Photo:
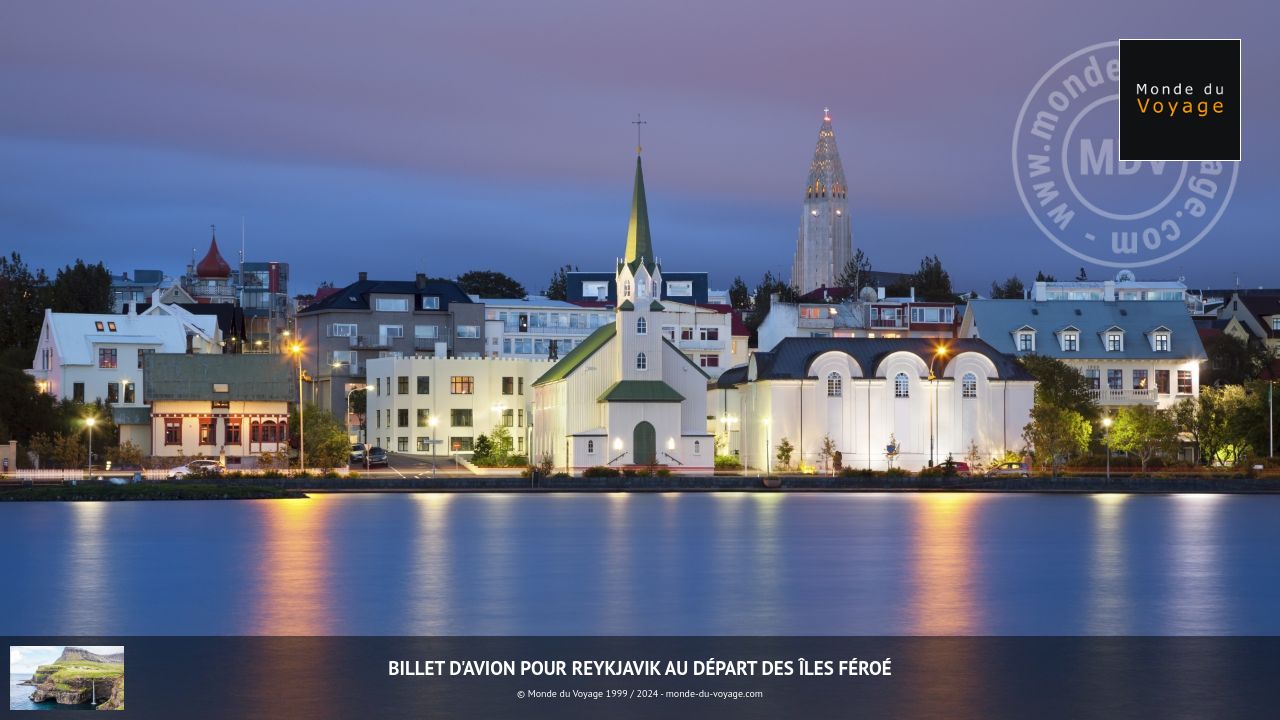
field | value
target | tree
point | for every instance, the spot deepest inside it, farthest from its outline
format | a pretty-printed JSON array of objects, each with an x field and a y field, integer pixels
[
  {"x": 490, "y": 284},
  {"x": 558, "y": 287},
  {"x": 481, "y": 450},
  {"x": 60, "y": 450},
  {"x": 739, "y": 295},
  {"x": 1217, "y": 422},
  {"x": 857, "y": 272},
  {"x": 785, "y": 448},
  {"x": 22, "y": 303},
  {"x": 501, "y": 445},
  {"x": 1042, "y": 277},
  {"x": 769, "y": 285},
  {"x": 828, "y": 452},
  {"x": 1011, "y": 289},
  {"x": 81, "y": 288},
  {"x": 1060, "y": 385},
  {"x": 931, "y": 281},
  {"x": 1055, "y": 434},
  {"x": 24, "y": 410},
  {"x": 328, "y": 445},
  {"x": 1144, "y": 431},
  {"x": 1233, "y": 360}
]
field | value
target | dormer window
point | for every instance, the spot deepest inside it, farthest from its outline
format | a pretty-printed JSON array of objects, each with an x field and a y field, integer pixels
[
  {"x": 98, "y": 326},
  {"x": 430, "y": 302},
  {"x": 1161, "y": 342},
  {"x": 1069, "y": 339},
  {"x": 1115, "y": 340},
  {"x": 1025, "y": 339}
]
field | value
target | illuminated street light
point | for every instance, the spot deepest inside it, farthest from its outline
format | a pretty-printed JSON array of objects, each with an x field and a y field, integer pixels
[
  {"x": 296, "y": 349},
  {"x": 938, "y": 352}
]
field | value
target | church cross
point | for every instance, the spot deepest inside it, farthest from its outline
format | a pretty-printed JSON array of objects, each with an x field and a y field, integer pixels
[{"x": 638, "y": 122}]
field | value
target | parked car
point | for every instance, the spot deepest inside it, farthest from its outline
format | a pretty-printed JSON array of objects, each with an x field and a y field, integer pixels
[
  {"x": 197, "y": 468},
  {"x": 1010, "y": 469},
  {"x": 962, "y": 469},
  {"x": 377, "y": 457},
  {"x": 357, "y": 455}
]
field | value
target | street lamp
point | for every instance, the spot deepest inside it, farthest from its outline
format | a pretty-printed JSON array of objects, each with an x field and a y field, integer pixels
[
  {"x": 89, "y": 422},
  {"x": 938, "y": 352},
  {"x": 1106, "y": 426},
  {"x": 296, "y": 349},
  {"x": 432, "y": 422}
]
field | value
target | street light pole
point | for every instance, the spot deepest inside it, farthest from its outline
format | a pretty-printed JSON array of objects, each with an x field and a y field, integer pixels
[
  {"x": 296, "y": 349},
  {"x": 89, "y": 422},
  {"x": 940, "y": 351},
  {"x": 1106, "y": 424}
]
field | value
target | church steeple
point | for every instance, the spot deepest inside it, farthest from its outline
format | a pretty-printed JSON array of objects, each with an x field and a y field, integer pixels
[
  {"x": 824, "y": 245},
  {"x": 639, "y": 243}
]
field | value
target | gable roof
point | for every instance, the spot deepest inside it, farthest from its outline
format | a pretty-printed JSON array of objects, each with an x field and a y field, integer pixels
[
  {"x": 578, "y": 355},
  {"x": 356, "y": 295},
  {"x": 75, "y": 334},
  {"x": 791, "y": 357},
  {"x": 996, "y": 320}
]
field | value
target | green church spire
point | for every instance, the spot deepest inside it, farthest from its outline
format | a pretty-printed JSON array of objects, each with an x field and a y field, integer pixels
[{"x": 639, "y": 243}]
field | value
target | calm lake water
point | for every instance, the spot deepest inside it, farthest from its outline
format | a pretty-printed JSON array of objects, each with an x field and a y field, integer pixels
[{"x": 660, "y": 564}]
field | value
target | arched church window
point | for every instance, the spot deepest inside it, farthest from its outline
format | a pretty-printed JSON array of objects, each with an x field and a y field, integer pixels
[
  {"x": 642, "y": 362},
  {"x": 969, "y": 386},
  {"x": 901, "y": 386},
  {"x": 697, "y": 447},
  {"x": 591, "y": 447},
  {"x": 835, "y": 385},
  {"x": 626, "y": 289},
  {"x": 642, "y": 326}
]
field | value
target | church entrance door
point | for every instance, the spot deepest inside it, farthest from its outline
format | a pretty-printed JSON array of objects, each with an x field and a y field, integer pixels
[{"x": 645, "y": 443}]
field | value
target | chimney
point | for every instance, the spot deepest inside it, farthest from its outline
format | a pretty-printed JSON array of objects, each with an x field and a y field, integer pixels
[
  {"x": 363, "y": 276},
  {"x": 420, "y": 280},
  {"x": 880, "y": 293}
]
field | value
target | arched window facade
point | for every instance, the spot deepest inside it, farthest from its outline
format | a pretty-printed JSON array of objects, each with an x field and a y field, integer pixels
[
  {"x": 901, "y": 386},
  {"x": 255, "y": 432},
  {"x": 591, "y": 447},
  {"x": 697, "y": 447},
  {"x": 642, "y": 326},
  {"x": 642, "y": 362},
  {"x": 269, "y": 431},
  {"x": 969, "y": 386},
  {"x": 626, "y": 289},
  {"x": 835, "y": 385}
]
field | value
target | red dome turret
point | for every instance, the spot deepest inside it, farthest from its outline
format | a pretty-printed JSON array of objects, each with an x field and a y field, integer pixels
[{"x": 213, "y": 266}]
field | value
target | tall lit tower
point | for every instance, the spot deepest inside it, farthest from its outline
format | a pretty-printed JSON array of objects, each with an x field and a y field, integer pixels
[{"x": 824, "y": 244}]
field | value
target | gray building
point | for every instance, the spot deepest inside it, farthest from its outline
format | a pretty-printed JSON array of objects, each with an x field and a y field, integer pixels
[{"x": 384, "y": 318}]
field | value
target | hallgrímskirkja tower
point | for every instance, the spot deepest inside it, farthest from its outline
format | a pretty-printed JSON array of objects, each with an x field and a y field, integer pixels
[{"x": 824, "y": 244}]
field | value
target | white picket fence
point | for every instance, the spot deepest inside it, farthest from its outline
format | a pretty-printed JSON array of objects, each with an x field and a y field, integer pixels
[{"x": 49, "y": 477}]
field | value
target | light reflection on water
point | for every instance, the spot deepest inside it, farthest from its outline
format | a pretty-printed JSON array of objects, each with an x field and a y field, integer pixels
[{"x": 655, "y": 564}]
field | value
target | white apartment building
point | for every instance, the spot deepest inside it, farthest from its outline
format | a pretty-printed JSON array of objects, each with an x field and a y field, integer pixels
[
  {"x": 528, "y": 327},
  {"x": 467, "y": 397}
]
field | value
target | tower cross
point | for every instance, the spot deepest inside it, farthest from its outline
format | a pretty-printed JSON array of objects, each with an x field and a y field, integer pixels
[{"x": 638, "y": 122}]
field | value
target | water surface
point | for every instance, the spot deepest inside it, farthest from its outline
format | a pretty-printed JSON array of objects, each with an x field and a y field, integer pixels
[{"x": 646, "y": 564}]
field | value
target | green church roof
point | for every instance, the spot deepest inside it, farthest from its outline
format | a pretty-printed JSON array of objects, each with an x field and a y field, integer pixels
[
  {"x": 639, "y": 242},
  {"x": 656, "y": 306},
  {"x": 575, "y": 357},
  {"x": 640, "y": 391}
]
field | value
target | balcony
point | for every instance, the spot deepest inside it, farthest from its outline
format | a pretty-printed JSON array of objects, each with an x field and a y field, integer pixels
[
  {"x": 1124, "y": 396},
  {"x": 422, "y": 344},
  {"x": 371, "y": 342},
  {"x": 700, "y": 344},
  {"x": 889, "y": 323}
]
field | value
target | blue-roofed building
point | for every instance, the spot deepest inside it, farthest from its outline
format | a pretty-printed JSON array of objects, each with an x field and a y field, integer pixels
[
  {"x": 1131, "y": 351},
  {"x": 904, "y": 402}
]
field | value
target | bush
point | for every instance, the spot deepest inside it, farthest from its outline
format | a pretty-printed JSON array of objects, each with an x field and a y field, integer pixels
[
  {"x": 663, "y": 472},
  {"x": 728, "y": 462},
  {"x": 600, "y": 471}
]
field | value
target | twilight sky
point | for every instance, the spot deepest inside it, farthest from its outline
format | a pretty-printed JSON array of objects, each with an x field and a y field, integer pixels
[{"x": 397, "y": 137}]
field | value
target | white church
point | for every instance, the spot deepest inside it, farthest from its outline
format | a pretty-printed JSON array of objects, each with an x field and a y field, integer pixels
[{"x": 626, "y": 396}]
